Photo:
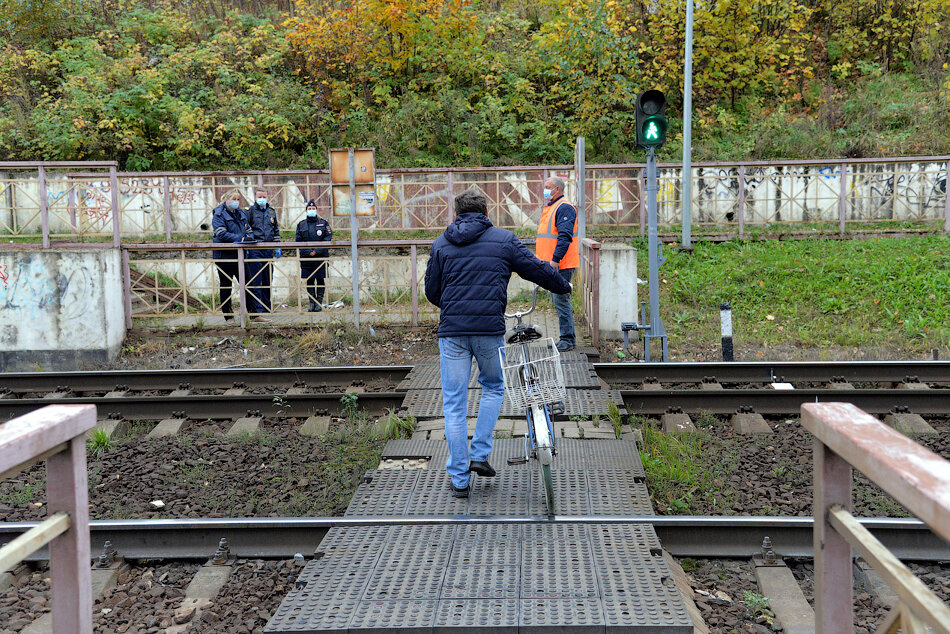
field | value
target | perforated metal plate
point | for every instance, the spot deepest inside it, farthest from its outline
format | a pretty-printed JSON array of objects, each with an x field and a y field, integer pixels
[
  {"x": 369, "y": 502},
  {"x": 561, "y": 615},
  {"x": 473, "y": 616},
  {"x": 481, "y": 582},
  {"x": 577, "y": 374},
  {"x": 532, "y": 578},
  {"x": 304, "y": 611},
  {"x": 378, "y": 617},
  {"x": 428, "y": 403},
  {"x": 663, "y": 612}
]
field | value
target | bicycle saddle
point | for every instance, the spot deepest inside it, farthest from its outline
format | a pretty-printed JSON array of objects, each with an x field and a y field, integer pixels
[{"x": 523, "y": 332}]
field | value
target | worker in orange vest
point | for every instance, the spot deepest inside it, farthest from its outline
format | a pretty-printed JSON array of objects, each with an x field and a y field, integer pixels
[{"x": 557, "y": 243}]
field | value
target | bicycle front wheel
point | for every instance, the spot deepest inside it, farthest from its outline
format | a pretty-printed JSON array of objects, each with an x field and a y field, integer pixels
[{"x": 548, "y": 482}]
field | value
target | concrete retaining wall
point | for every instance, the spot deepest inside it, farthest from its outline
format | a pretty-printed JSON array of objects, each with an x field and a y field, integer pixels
[{"x": 60, "y": 310}]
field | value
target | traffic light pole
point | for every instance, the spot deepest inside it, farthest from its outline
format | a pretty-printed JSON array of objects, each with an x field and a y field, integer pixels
[{"x": 655, "y": 255}]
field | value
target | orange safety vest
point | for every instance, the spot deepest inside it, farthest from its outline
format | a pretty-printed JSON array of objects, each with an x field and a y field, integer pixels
[{"x": 547, "y": 238}]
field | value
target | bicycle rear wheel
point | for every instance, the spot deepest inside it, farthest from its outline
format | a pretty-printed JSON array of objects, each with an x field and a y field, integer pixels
[
  {"x": 539, "y": 419},
  {"x": 548, "y": 482}
]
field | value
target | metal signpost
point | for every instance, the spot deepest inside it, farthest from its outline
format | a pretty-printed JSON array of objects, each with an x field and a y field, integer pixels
[
  {"x": 651, "y": 127},
  {"x": 352, "y": 179}
]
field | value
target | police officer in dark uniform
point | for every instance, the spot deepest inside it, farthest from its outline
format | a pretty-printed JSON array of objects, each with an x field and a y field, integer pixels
[
  {"x": 263, "y": 219},
  {"x": 313, "y": 262},
  {"x": 230, "y": 225}
]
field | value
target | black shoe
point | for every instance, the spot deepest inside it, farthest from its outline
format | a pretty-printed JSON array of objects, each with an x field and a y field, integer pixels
[
  {"x": 313, "y": 306},
  {"x": 460, "y": 493},
  {"x": 229, "y": 319},
  {"x": 564, "y": 346},
  {"x": 482, "y": 468},
  {"x": 317, "y": 308}
]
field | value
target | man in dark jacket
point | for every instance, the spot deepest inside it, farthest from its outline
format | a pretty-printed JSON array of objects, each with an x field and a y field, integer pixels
[
  {"x": 467, "y": 278},
  {"x": 230, "y": 225},
  {"x": 263, "y": 219}
]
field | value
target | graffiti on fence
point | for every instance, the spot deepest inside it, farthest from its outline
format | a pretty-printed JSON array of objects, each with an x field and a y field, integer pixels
[{"x": 4, "y": 274}]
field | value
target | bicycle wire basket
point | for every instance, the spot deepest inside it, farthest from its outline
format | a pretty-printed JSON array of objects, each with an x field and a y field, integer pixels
[{"x": 532, "y": 373}]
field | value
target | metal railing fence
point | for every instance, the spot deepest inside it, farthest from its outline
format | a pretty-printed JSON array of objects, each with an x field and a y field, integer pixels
[
  {"x": 917, "y": 478},
  {"x": 75, "y": 201},
  {"x": 56, "y": 434},
  {"x": 181, "y": 282}
]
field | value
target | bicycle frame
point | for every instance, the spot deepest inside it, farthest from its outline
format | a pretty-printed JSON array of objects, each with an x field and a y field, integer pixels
[{"x": 540, "y": 440}]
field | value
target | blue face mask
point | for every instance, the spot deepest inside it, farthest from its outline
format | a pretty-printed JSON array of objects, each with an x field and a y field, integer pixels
[
  {"x": 311, "y": 213},
  {"x": 233, "y": 204},
  {"x": 547, "y": 194},
  {"x": 261, "y": 202}
]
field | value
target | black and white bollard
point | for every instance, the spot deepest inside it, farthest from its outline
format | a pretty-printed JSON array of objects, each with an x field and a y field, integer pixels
[{"x": 725, "y": 320}]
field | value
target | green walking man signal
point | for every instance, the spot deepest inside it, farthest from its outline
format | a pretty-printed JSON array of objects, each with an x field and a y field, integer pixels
[{"x": 651, "y": 119}]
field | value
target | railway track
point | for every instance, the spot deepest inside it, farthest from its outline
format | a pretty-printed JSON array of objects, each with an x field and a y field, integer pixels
[
  {"x": 303, "y": 391},
  {"x": 621, "y": 374},
  {"x": 682, "y": 536}
]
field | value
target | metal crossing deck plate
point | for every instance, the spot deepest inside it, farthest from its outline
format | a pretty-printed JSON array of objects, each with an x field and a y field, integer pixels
[
  {"x": 428, "y": 403},
  {"x": 497, "y": 578},
  {"x": 577, "y": 374}
]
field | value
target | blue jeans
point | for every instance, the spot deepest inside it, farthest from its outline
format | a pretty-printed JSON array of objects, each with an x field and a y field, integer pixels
[
  {"x": 565, "y": 314},
  {"x": 455, "y": 359}
]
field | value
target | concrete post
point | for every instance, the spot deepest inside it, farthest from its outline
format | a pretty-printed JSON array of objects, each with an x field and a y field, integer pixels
[
  {"x": 843, "y": 198},
  {"x": 167, "y": 204},
  {"x": 742, "y": 201},
  {"x": 414, "y": 285}
]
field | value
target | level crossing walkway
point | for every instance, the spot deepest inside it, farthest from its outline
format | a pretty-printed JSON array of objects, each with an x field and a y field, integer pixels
[{"x": 498, "y": 578}]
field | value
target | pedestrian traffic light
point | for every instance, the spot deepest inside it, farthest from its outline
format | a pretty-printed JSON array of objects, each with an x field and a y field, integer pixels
[{"x": 651, "y": 119}]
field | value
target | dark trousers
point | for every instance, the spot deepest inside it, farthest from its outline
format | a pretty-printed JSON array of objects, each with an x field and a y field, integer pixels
[
  {"x": 258, "y": 281},
  {"x": 316, "y": 280},
  {"x": 565, "y": 314},
  {"x": 226, "y": 270}
]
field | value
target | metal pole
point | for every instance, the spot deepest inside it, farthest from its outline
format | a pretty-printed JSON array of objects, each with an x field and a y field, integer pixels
[
  {"x": 641, "y": 205},
  {"x": 654, "y": 251},
  {"x": 742, "y": 201},
  {"x": 415, "y": 284},
  {"x": 354, "y": 229},
  {"x": 242, "y": 291},
  {"x": 114, "y": 186},
  {"x": 843, "y": 198},
  {"x": 167, "y": 204},
  {"x": 946, "y": 203},
  {"x": 127, "y": 288},
  {"x": 580, "y": 174},
  {"x": 688, "y": 128},
  {"x": 451, "y": 198},
  {"x": 44, "y": 207}
]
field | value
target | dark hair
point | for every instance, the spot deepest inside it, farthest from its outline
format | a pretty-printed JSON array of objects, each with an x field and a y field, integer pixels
[
  {"x": 472, "y": 200},
  {"x": 310, "y": 203}
]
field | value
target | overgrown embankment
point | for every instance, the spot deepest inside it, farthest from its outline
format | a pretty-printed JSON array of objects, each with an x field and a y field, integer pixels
[{"x": 208, "y": 84}]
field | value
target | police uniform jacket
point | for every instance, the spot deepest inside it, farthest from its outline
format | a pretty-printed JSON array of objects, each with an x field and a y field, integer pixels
[
  {"x": 313, "y": 230},
  {"x": 229, "y": 227}
]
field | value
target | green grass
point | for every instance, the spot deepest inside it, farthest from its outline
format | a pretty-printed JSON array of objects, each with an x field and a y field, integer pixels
[
  {"x": 877, "y": 293},
  {"x": 394, "y": 426},
  {"x": 99, "y": 442},
  {"x": 676, "y": 477}
]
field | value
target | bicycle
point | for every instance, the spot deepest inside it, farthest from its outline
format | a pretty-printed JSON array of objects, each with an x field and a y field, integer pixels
[{"x": 534, "y": 380}]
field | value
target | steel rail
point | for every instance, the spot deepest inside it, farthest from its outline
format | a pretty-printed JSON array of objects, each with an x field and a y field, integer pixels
[
  {"x": 771, "y": 371},
  {"x": 218, "y": 407},
  {"x": 682, "y": 536},
  {"x": 22, "y": 382},
  {"x": 770, "y": 401}
]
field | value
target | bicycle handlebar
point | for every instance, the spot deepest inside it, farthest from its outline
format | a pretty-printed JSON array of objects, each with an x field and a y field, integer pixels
[{"x": 534, "y": 302}]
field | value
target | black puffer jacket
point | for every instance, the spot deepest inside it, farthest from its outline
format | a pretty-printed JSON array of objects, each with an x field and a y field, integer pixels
[
  {"x": 313, "y": 230},
  {"x": 468, "y": 272}
]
